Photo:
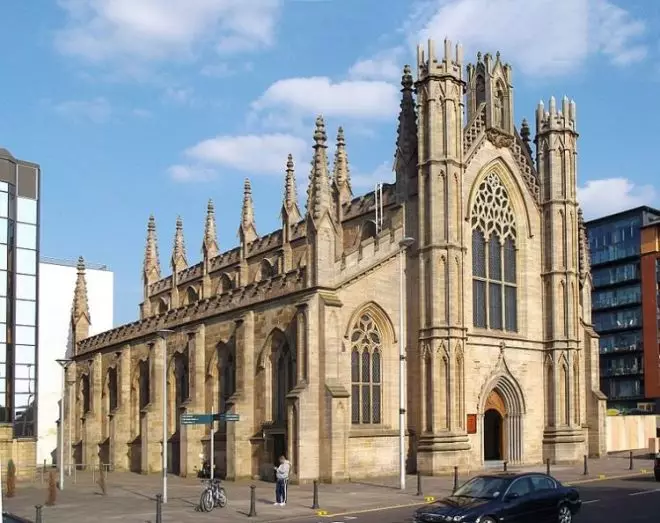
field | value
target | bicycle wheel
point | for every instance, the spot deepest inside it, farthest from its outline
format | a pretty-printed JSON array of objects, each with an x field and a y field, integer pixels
[
  {"x": 206, "y": 501},
  {"x": 222, "y": 498}
]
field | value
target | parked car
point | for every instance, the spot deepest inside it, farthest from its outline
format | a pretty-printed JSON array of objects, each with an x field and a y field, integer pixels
[
  {"x": 524, "y": 498},
  {"x": 656, "y": 467}
]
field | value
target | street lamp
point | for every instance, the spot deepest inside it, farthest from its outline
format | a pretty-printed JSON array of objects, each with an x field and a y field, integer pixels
[
  {"x": 64, "y": 363},
  {"x": 163, "y": 334},
  {"x": 404, "y": 245}
]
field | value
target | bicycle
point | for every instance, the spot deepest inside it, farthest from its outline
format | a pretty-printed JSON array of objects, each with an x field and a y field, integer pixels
[{"x": 212, "y": 496}]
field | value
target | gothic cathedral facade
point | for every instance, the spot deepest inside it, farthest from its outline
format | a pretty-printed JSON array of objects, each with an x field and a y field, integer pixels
[{"x": 298, "y": 331}]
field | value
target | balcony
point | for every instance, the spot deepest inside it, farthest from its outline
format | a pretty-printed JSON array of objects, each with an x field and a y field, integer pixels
[
  {"x": 617, "y": 349},
  {"x": 621, "y": 371}
]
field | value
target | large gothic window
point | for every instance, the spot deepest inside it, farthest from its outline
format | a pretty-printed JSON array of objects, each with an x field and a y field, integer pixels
[
  {"x": 145, "y": 386},
  {"x": 285, "y": 380},
  {"x": 228, "y": 382},
  {"x": 366, "y": 367},
  {"x": 494, "y": 292},
  {"x": 86, "y": 395},
  {"x": 112, "y": 389}
]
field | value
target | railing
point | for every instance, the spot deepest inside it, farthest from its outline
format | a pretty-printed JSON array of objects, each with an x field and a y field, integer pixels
[{"x": 621, "y": 371}]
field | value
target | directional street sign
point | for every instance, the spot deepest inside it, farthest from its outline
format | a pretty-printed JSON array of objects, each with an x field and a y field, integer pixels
[{"x": 207, "y": 418}]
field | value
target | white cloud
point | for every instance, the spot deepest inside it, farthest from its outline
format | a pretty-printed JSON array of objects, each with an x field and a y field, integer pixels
[
  {"x": 97, "y": 110},
  {"x": 319, "y": 95},
  {"x": 148, "y": 30},
  {"x": 179, "y": 95},
  {"x": 258, "y": 154},
  {"x": 367, "y": 181},
  {"x": 191, "y": 173},
  {"x": 602, "y": 197},
  {"x": 385, "y": 65},
  {"x": 542, "y": 38}
]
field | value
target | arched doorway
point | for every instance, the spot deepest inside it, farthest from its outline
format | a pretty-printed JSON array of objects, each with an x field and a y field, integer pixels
[
  {"x": 493, "y": 435},
  {"x": 493, "y": 427}
]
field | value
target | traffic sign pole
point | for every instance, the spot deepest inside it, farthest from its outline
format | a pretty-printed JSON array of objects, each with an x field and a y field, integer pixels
[{"x": 212, "y": 449}]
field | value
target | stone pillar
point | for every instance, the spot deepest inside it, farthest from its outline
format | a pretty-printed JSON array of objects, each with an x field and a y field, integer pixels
[
  {"x": 239, "y": 446},
  {"x": 120, "y": 424},
  {"x": 93, "y": 434},
  {"x": 192, "y": 435},
  {"x": 152, "y": 448}
]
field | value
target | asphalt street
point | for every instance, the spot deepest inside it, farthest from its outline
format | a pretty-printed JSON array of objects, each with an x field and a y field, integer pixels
[{"x": 629, "y": 500}]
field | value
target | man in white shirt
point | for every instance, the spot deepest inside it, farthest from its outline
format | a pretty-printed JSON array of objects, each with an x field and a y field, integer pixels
[{"x": 282, "y": 480}]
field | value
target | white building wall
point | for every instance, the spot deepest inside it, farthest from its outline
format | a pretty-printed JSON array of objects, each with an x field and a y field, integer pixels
[{"x": 57, "y": 281}]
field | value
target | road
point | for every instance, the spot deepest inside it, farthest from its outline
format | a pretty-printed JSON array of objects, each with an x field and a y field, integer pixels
[{"x": 629, "y": 500}]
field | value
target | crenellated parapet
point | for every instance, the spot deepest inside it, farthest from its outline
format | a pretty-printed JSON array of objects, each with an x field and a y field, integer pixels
[{"x": 232, "y": 300}]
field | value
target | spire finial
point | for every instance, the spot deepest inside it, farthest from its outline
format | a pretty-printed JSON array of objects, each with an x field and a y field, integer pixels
[
  {"x": 80, "y": 318},
  {"x": 342, "y": 174},
  {"x": 151, "y": 258},
  {"x": 179, "y": 261},
  {"x": 290, "y": 208},
  {"x": 210, "y": 244},
  {"x": 405, "y": 157},
  {"x": 247, "y": 231},
  {"x": 318, "y": 191}
]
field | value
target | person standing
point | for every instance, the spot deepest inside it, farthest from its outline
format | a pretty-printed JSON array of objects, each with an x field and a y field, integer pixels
[{"x": 281, "y": 481}]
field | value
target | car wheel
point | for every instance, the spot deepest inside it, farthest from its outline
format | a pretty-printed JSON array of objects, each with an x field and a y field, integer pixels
[{"x": 565, "y": 515}]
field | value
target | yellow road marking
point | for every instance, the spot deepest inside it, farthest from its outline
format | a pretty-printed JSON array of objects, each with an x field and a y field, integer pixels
[{"x": 602, "y": 477}]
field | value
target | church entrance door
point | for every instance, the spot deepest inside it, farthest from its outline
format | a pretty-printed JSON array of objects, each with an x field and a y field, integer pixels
[{"x": 493, "y": 435}]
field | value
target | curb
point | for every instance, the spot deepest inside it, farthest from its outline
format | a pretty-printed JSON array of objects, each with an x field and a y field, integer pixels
[{"x": 603, "y": 477}]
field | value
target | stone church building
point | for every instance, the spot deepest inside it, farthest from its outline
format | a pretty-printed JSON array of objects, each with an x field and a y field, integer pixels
[{"x": 297, "y": 331}]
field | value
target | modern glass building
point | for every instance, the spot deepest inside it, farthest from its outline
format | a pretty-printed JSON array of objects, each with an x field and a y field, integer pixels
[
  {"x": 615, "y": 243},
  {"x": 19, "y": 274}
]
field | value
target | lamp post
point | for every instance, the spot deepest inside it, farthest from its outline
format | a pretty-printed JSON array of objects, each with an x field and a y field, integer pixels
[
  {"x": 64, "y": 363},
  {"x": 404, "y": 245},
  {"x": 163, "y": 334}
]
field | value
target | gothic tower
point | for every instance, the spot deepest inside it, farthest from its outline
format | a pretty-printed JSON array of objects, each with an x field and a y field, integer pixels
[
  {"x": 290, "y": 214},
  {"x": 556, "y": 141},
  {"x": 210, "y": 248},
  {"x": 440, "y": 89}
]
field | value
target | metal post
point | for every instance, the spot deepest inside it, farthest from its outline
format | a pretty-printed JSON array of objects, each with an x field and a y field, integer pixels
[
  {"x": 547, "y": 466},
  {"x": 586, "y": 466},
  {"x": 64, "y": 363},
  {"x": 506, "y": 463},
  {"x": 253, "y": 501},
  {"x": 455, "y": 479},
  {"x": 402, "y": 371},
  {"x": 315, "y": 499},
  {"x": 93, "y": 473},
  {"x": 159, "y": 508},
  {"x": 419, "y": 484},
  {"x": 163, "y": 333},
  {"x": 38, "y": 518},
  {"x": 212, "y": 449},
  {"x": 631, "y": 460}
]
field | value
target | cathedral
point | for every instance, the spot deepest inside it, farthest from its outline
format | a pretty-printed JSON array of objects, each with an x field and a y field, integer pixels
[{"x": 298, "y": 331}]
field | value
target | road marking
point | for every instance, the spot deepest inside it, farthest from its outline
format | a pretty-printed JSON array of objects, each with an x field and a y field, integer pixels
[
  {"x": 350, "y": 517},
  {"x": 378, "y": 509},
  {"x": 590, "y": 501},
  {"x": 642, "y": 492}
]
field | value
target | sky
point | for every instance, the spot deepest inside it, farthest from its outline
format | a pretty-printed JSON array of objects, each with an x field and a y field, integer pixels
[{"x": 133, "y": 107}]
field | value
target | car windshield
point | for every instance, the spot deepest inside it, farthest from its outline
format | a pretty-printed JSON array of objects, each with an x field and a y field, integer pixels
[{"x": 483, "y": 487}]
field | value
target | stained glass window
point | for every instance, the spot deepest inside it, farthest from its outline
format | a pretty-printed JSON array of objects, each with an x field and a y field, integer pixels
[
  {"x": 366, "y": 372},
  {"x": 494, "y": 293}
]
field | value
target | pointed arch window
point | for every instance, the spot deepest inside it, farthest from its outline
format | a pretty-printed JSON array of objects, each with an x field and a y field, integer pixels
[
  {"x": 366, "y": 371},
  {"x": 228, "y": 382},
  {"x": 494, "y": 270},
  {"x": 86, "y": 395},
  {"x": 284, "y": 370},
  {"x": 145, "y": 386},
  {"x": 112, "y": 389}
]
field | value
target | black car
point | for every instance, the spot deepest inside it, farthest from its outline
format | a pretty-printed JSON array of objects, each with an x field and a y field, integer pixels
[{"x": 514, "y": 498}]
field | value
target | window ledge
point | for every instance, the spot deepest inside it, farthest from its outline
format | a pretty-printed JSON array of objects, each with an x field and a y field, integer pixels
[
  {"x": 372, "y": 431},
  {"x": 488, "y": 333}
]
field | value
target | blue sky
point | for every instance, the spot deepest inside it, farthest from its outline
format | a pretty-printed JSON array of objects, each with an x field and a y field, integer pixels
[{"x": 135, "y": 107}]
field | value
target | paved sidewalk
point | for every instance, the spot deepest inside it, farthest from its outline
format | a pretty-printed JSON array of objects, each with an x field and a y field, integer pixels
[{"x": 131, "y": 497}]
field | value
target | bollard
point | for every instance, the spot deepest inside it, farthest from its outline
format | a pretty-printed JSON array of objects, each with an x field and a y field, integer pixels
[
  {"x": 506, "y": 463},
  {"x": 455, "y": 479},
  {"x": 93, "y": 474},
  {"x": 315, "y": 499},
  {"x": 43, "y": 471},
  {"x": 420, "y": 492},
  {"x": 38, "y": 518},
  {"x": 253, "y": 501},
  {"x": 586, "y": 466},
  {"x": 631, "y": 460},
  {"x": 547, "y": 466},
  {"x": 159, "y": 508}
]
